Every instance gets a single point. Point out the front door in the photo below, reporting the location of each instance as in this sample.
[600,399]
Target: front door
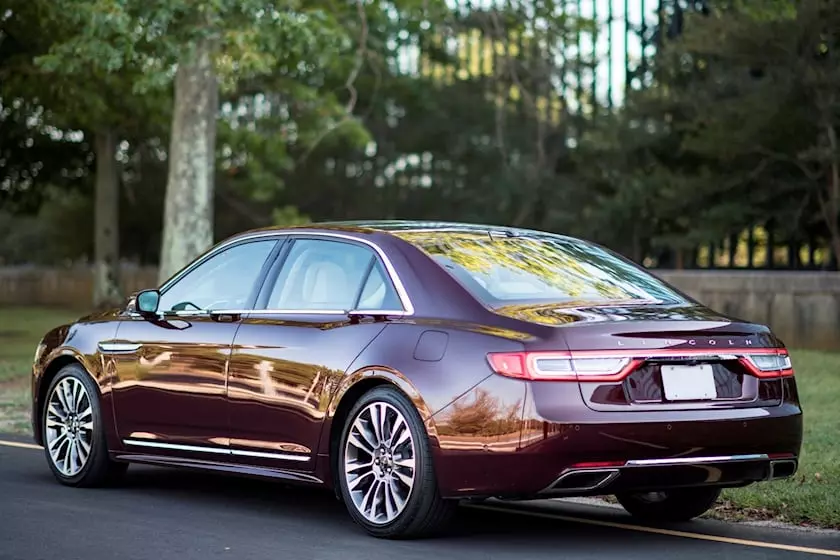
[169,391]
[290,353]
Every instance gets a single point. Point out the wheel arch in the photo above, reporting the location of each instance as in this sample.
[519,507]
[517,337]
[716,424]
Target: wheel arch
[52,366]
[350,390]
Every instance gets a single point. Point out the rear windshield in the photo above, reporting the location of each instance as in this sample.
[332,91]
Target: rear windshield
[502,270]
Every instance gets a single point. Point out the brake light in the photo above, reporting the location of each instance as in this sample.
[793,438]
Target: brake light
[560,366]
[769,365]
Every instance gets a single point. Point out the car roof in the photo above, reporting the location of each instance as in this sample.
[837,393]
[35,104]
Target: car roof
[395,226]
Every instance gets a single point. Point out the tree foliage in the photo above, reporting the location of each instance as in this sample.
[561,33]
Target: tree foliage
[738,128]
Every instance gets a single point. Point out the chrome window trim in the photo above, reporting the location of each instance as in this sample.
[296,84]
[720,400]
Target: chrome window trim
[215,450]
[402,293]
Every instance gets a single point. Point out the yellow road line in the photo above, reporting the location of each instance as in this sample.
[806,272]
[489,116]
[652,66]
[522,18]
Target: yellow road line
[19,444]
[668,532]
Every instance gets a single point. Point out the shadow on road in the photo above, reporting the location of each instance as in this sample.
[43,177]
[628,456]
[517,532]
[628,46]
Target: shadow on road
[261,497]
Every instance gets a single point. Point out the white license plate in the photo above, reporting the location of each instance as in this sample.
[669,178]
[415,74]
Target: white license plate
[689,383]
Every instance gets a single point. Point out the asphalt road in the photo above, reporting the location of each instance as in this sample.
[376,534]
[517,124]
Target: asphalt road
[161,514]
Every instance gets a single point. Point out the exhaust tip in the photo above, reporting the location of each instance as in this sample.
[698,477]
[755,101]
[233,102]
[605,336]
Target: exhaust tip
[584,480]
[782,469]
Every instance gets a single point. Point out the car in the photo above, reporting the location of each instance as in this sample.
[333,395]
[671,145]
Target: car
[411,365]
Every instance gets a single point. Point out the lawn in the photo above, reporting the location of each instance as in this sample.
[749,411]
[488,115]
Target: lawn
[20,331]
[813,496]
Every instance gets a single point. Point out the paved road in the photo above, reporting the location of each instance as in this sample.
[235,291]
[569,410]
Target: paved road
[161,514]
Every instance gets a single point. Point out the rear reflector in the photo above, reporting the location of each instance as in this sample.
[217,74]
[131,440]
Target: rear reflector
[598,465]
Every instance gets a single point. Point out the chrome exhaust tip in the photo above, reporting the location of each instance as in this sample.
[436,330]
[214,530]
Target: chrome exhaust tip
[581,480]
[783,468]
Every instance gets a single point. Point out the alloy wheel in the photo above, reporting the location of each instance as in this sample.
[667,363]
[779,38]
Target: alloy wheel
[69,426]
[379,463]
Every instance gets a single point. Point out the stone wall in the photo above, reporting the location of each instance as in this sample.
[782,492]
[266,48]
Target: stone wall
[802,307]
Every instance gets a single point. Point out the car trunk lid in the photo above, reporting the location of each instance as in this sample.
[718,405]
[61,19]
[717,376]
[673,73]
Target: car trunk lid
[648,356]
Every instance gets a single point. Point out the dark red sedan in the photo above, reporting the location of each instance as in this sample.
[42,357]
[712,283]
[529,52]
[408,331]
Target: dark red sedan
[408,365]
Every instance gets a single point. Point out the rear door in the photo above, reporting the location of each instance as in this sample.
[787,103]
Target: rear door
[291,352]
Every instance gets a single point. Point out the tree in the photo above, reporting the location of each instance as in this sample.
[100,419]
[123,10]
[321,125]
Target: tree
[94,104]
[210,45]
[738,127]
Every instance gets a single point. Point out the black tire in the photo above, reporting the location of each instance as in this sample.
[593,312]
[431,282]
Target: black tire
[680,504]
[425,512]
[99,469]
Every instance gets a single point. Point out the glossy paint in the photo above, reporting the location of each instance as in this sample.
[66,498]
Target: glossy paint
[265,392]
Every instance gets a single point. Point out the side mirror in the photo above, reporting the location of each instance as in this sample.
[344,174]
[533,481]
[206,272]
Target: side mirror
[148,301]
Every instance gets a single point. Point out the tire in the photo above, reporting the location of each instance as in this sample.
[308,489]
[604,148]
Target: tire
[381,500]
[80,428]
[682,504]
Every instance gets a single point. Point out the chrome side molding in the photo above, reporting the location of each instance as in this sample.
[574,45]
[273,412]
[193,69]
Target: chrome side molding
[215,450]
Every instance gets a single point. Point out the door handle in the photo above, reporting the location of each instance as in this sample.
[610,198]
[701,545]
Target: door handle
[226,316]
[118,347]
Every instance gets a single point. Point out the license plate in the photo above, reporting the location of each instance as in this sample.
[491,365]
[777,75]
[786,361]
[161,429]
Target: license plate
[688,383]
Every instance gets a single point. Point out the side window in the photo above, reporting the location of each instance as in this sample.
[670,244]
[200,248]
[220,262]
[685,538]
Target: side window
[331,275]
[224,281]
[378,292]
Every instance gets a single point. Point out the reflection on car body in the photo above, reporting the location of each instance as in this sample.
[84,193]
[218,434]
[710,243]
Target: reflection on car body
[408,365]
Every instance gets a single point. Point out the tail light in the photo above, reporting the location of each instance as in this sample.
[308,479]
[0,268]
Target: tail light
[764,363]
[769,365]
[558,366]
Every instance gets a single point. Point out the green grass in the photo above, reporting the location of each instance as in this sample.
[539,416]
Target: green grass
[21,328]
[813,496]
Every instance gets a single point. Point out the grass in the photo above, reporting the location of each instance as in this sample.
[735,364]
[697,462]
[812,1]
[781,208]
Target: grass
[812,497]
[20,331]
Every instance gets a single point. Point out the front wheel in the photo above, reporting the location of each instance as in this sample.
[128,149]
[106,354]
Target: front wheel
[681,504]
[386,475]
[74,433]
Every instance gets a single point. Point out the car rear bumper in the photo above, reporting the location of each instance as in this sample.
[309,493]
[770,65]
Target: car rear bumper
[567,449]
[659,474]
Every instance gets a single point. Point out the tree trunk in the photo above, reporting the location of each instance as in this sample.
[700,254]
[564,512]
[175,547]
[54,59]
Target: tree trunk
[188,207]
[106,286]
[834,192]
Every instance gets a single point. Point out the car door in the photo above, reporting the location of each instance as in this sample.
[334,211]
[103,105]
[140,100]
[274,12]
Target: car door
[170,386]
[290,352]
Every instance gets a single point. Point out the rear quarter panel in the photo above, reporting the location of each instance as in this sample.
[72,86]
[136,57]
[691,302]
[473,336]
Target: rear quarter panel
[442,367]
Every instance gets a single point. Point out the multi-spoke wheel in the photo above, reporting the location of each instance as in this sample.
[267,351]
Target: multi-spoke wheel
[69,426]
[385,467]
[74,440]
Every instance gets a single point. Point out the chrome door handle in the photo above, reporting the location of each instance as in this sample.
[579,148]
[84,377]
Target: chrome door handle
[119,347]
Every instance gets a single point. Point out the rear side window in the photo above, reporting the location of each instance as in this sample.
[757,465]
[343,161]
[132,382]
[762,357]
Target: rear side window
[541,268]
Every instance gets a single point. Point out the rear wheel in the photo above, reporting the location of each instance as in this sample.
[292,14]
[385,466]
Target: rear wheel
[386,475]
[679,504]
[73,431]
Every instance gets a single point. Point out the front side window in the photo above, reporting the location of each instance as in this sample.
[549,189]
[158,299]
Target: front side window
[224,281]
[541,268]
[332,275]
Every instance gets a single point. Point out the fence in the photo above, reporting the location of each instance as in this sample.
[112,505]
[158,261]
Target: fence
[802,307]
